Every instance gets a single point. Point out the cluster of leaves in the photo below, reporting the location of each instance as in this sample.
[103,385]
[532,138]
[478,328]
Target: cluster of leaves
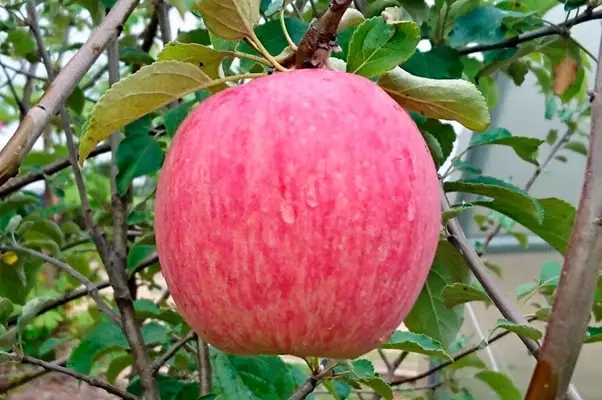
[237,40]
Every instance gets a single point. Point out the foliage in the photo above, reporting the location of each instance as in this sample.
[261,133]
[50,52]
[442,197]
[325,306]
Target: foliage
[232,42]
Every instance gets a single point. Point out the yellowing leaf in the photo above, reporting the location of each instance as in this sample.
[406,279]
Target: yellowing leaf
[451,99]
[9,258]
[204,57]
[229,19]
[565,74]
[152,87]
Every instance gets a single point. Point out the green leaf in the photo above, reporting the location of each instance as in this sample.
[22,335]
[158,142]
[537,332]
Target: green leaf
[525,147]
[453,99]
[379,385]
[22,42]
[434,148]
[95,9]
[138,253]
[30,310]
[557,223]
[136,156]
[549,275]
[175,116]
[501,192]
[107,337]
[271,36]
[429,315]
[454,211]
[117,366]
[206,58]
[459,293]
[130,56]
[465,166]
[44,229]
[16,202]
[415,343]
[229,19]
[527,331]
[522,239]
[552,136]
[200,36]
[441,62]
[6,309]
[376,46]
[150,88]
[444,134]
[577,147]
[482,25]
[76,100]
[501,385]
[252,378]
[593,334]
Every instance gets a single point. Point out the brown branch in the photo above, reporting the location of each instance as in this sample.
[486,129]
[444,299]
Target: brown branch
[315,46]
[28,87]
[21,72]
[306,389]
[92,381]
[578,282]
[162,11]
[456,358]
[556,29]
[22,380]
[82,292]
[13,91]
[92,290]
[159,362]
[116,265]
[32,126]
[203,366]
[538,171]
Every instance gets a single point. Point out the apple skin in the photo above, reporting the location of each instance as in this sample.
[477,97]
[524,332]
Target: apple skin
[297,214]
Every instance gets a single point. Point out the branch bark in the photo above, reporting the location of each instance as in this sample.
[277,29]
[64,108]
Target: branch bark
[22,380]
[557,29]
[116,267]
[91,288]
[159,362]
[32,126]
[203,365]
[306,389]
[88,379]
[315,46]
[578,281]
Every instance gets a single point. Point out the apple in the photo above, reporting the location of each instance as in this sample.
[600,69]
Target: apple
[297,214]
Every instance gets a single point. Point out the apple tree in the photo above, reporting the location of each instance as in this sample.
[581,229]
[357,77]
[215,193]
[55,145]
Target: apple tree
[252,204]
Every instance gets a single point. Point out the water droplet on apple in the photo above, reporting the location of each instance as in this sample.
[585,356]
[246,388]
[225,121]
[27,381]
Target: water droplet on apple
[287,212]
[311,192]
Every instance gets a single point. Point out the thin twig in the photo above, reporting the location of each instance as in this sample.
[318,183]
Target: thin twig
[82,292]
[94,78]
[92,381]
[34,123]
[159,362]
[203,366]
[578,281]
[28,87]
[456,358]
[536,34]
[89,285]
[27,74]
[162,10]
[22,380]
[538,171]
[13,91]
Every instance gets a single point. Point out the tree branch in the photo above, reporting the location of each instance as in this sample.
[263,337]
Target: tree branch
[162,11]
[32,126]
[578,282]
[79,293]
[558,29]
[94,78]
[20,71]
[22,380]
[315,46]
[306,389]
[203,366]
[159,362]
[456,358]
[88,379]
[116,267]
[13,91]
[91,288]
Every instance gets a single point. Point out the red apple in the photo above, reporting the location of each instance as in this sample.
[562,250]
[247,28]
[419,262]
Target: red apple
[297,214]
